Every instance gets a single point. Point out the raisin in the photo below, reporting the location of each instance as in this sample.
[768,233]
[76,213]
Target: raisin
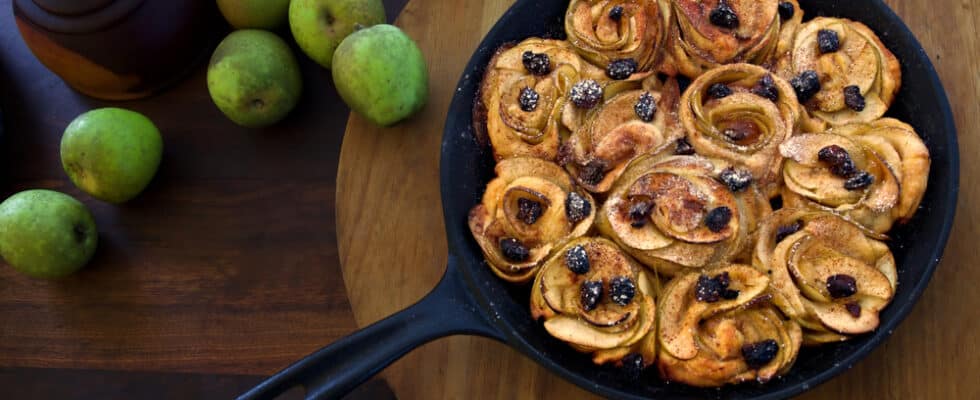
[736,180]
[684,147]
[785,230]
[828,41]
[593,172]
[528,99]
[586,94]
[838,159]
[710,290]
[718,218]
[529,211]
[577,260]
[841,285]
[735,135]
[577,207]
[758,354]
[786,10]
[719,90]
[854,309]
[633,365]
[853,98]
[723,16]
[622,69]
[616,13]
[806,85]
[859,180]
[646,107]
[639,211]
[766,87]
[514,250]
[536,63]
[621,290]
[591,292]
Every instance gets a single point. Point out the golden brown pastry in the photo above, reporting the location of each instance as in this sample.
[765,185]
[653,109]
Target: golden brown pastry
[621,36]
[597,299]
[523,94]
[634,119]
[675,213]
[717,327]
[873,173]
[709,33]
[791,17]
[741,113]
[826,273]
[842,72]
[531,207]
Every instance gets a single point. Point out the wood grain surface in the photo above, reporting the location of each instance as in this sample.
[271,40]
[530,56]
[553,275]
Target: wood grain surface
[393,246]
[224,270]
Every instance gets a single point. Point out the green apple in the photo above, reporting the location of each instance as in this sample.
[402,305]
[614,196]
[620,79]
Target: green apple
[253,78]
[256,14]
[381,74]
[320,25]
[46,234]
[111,153]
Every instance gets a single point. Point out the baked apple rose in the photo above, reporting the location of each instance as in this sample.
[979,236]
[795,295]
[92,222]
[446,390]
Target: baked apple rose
[741,113]
[531,207]
[675,212]
[827,275]
[873,173]
[523,93]
[709,33]
[622,36]
[842,72]
[717,327]
[635,118]
[597,299]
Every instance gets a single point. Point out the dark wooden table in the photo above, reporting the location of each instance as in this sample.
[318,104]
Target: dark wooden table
[224,270]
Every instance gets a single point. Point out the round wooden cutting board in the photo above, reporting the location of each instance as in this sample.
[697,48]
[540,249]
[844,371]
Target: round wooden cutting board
[393,247]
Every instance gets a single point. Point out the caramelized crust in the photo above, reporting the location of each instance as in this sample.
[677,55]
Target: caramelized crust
[704,343]
[862,61]
[680,192]
[820,248]
[610,331]
[743,128]
[613,134]
[696,44]
[499,215]
[513,131]
[639,33]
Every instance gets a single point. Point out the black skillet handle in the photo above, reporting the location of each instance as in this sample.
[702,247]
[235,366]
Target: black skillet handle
[333,371]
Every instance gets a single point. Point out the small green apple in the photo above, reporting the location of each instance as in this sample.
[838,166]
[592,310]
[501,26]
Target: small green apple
[255,14]
[253,78]
[320,25]
[46,234]
[381,74]
[111,153]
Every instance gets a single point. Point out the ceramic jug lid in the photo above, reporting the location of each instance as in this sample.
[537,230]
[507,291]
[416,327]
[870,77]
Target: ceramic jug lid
[75,16]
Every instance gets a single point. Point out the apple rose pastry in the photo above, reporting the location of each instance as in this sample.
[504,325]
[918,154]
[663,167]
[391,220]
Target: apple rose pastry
[633,120]
[717,327]
[598,300]
[677,212]
[531,207]
[842,73]
[741,113]
[791,17]
[709,33]
[827,275]
[872,173]
[622,36]
[522,96]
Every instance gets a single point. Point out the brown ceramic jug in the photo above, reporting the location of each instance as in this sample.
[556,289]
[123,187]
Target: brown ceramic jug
[118,49]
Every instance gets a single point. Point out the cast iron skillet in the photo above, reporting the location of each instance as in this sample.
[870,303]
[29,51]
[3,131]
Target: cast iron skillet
[471,300]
